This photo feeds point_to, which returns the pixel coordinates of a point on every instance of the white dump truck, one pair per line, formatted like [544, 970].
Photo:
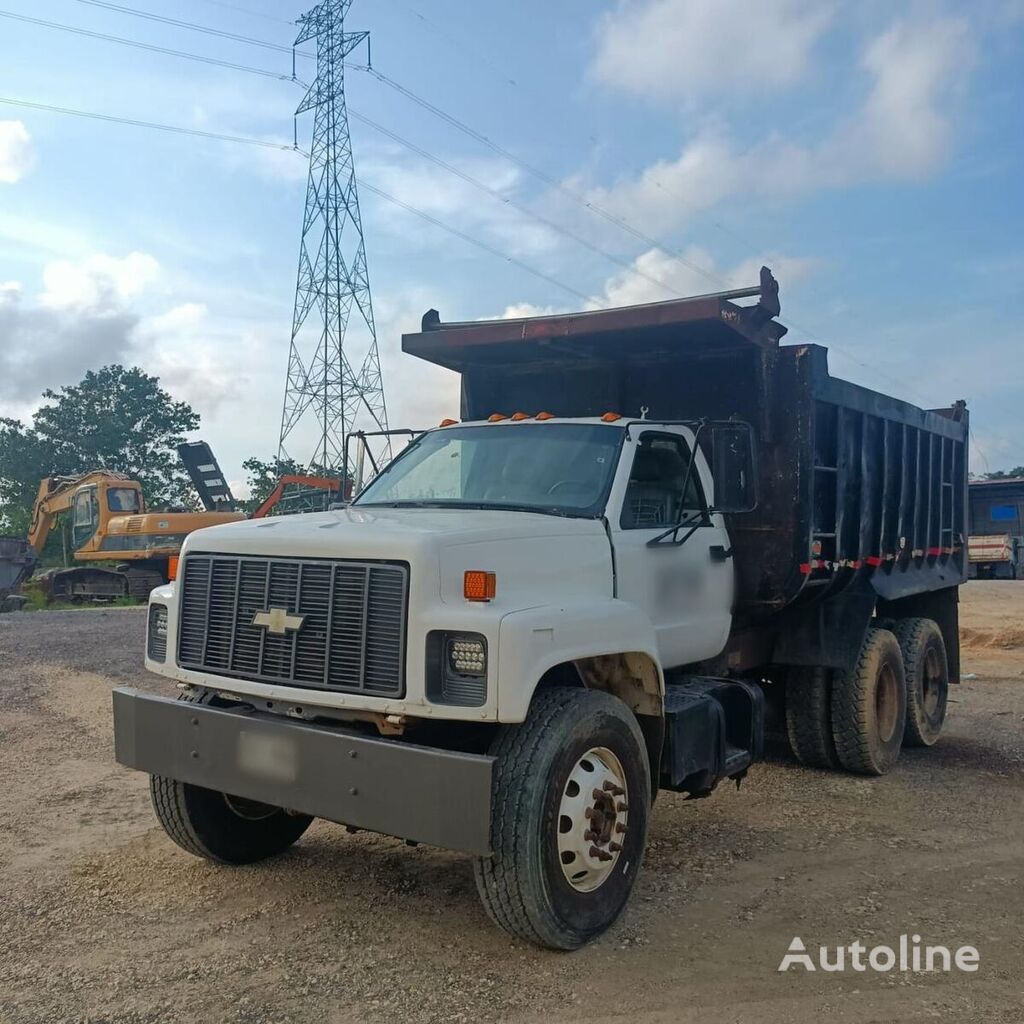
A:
[646, 522]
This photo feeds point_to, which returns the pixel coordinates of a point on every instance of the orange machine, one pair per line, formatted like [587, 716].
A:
[110, 523]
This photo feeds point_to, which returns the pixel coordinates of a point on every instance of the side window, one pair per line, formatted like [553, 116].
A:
[654, 496]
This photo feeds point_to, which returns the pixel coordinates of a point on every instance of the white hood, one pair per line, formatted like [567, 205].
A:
[527, 550]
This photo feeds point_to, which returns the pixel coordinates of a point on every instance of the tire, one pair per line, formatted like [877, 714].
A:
[809, 716]
[218, 827]
[525, 884]
[927, 673]
[869, 707]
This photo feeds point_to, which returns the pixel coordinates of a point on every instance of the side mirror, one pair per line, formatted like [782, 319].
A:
[733, 466]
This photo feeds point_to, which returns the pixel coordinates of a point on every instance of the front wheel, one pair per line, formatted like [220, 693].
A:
[570, 806]
[219, 827]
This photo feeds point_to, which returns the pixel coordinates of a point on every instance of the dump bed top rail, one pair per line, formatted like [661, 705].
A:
[622, 334]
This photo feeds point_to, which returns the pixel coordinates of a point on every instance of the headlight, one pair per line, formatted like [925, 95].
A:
[156, 644]
[467, 657]
[457, 669]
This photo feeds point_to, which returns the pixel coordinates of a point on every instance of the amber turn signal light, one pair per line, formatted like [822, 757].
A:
[479, 586]
[172, 567]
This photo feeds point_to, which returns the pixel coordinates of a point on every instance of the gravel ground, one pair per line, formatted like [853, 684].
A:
[103, 919]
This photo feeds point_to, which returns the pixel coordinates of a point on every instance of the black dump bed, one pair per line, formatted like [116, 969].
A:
[854, 486]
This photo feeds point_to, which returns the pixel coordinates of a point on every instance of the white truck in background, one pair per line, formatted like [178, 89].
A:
[648, 520]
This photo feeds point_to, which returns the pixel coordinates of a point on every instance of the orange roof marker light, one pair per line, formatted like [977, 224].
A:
[544, 416]
[446, 422]
[496, 417]
[478, 585]
[517, 416]
[611, 417]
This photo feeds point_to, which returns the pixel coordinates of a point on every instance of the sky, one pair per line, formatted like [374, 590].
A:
[870, 153]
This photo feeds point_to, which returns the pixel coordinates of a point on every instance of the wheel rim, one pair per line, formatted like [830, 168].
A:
[592, 817]
[931, 684]
[886, 703]
[251, 810]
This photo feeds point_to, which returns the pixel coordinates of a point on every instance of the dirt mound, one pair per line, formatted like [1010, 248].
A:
[978, 638]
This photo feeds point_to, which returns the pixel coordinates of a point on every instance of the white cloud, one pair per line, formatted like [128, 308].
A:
[98, 281]
[902, 130]
[654, 271]
[192, 356]
[683, 49]
[17, 155]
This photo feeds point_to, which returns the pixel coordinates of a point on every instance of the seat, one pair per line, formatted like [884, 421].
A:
[655, 486]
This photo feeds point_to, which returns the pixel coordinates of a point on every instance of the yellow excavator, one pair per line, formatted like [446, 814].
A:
[110, 523]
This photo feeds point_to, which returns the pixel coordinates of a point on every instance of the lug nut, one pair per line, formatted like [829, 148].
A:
[619, 827]
[589, 812]
[622, 807]
[596, 794]
[610, 787]
[615, 847]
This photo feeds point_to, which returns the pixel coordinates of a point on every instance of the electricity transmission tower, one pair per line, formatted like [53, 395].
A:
[325, 399]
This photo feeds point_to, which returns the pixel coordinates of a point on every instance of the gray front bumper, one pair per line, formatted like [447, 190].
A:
[441, 797]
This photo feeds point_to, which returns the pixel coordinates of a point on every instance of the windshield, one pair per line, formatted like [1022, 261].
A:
[558, 468]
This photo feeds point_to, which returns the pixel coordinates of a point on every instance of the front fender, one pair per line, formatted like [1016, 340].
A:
[536, 639]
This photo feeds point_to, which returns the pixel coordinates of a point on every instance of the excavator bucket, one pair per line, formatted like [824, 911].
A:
[17, 560]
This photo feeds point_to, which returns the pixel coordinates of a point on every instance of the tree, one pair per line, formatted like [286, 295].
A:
[1005, 474]
[116, 418]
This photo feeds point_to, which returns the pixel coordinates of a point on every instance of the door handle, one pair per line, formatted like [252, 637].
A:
[719, 553]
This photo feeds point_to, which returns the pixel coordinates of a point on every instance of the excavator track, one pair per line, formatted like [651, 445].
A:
[139, 582]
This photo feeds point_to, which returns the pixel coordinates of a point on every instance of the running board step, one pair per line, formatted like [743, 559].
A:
[714, 729]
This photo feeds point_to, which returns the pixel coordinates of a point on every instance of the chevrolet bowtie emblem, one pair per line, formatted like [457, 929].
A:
[278, 620]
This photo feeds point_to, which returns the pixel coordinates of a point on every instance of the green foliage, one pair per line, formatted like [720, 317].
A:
[262, 477]
[116, 418]
[1007, 474]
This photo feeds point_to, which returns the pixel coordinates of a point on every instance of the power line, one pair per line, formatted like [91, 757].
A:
[473, 241]
[451, 169]
[541, 175]
[249, 10]
[511, 203]
[146, 46]
[423, 215]
[193, 27]
[175, 129]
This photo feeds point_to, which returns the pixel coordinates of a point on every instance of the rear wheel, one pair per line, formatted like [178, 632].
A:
[809, 716]
[869, 707]
[217, 826]
[927, 674]
[569, 814]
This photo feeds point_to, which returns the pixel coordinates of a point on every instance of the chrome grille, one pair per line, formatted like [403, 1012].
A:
[352, 636]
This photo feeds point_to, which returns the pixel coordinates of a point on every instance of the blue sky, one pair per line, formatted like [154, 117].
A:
[871, 153]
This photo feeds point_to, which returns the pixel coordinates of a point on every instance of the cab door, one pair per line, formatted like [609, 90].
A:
[84, 517]
[684, 583]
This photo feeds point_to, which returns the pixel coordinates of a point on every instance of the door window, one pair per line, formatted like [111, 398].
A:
[654, 495]
[84, 517]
